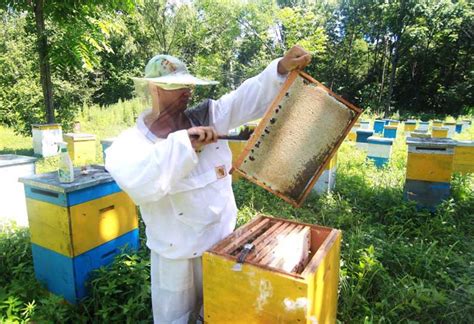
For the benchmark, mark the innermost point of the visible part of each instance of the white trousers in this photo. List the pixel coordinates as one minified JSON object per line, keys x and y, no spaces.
{"x":176,"y":289}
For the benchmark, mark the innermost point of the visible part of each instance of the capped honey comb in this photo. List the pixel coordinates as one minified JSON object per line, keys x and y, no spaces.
{"x":298,"y":134}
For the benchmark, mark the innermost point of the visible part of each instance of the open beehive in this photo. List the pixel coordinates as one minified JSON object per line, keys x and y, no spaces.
{"x":299,"y":133}
{"x":290,"y":276}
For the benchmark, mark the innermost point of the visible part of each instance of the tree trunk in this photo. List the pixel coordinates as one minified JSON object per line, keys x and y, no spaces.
{"x":382,"y":81}
{"x":45,"y":70}
{"x":391,"y":82}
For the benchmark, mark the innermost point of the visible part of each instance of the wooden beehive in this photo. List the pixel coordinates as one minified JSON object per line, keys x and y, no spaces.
{"x":81,"y":148}
{"x":77,"y":227}
{"x":300,"y":131}
{"x":291,"y":276}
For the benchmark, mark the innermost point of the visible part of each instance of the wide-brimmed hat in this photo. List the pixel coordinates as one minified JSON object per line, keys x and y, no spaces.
{"x":169,"y":70}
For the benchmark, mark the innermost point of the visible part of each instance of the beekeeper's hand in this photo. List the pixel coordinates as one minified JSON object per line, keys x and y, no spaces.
{"x":201,"y":136}
{"x":296,"y":58}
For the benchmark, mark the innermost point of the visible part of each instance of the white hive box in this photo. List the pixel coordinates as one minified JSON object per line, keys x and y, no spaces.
{"x":13,"y":203}
{"x":45,"y":139}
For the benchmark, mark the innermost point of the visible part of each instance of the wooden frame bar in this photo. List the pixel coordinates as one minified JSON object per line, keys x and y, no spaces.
{"x":320,"y":238}
{"x":264,"y":123}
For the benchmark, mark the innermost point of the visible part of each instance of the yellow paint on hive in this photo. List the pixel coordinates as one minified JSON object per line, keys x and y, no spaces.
{"x":75,"y":230}
{"x":463,"y":159}
{"x":430,"y":167}
{"x":324,"y":284}
{"x":409,"y":127}
{"x":101,"y":220}
{"x":259,"y":295}
{"x":437,"y":123}
{"x":439,"y":133}
{"x":393,"y":123}
{"x":49,"y":226}
{"x":262,"y":296}
{"x":46,"y":127}
{"x":352,"y":136}
{"x":236,"y":147}
{"x":82,"y":152}
{"x":332,"y":163}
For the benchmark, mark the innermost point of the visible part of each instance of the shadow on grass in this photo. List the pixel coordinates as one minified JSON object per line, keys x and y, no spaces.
{"x":21,"y":151}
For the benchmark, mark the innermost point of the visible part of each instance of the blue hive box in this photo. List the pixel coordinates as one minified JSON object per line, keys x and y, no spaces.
{"x":378,"y":126}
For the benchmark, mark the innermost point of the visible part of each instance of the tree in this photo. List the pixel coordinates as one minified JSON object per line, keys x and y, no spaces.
{"x":82,"y":27}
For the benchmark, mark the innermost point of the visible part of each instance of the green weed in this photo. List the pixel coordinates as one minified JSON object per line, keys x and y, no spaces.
{"x":398,"y":264}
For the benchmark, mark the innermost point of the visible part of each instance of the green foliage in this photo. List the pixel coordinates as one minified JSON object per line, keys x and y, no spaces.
{"x":122,"y":291}
{"x":20,"y":90}
{"x":387,"y":57}
{"x":398,"y":264}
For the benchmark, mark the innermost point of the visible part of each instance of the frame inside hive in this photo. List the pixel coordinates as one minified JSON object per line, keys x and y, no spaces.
{"x":268,"y":233}
{"x":299,"y":133}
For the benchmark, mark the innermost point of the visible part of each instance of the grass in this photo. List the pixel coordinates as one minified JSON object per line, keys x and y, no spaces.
{"x":398,"y":264}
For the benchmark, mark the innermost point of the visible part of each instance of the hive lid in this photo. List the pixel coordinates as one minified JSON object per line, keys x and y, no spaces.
{"x":300,"y":131}
{"x":366,"y":131}
{"x":13,"y":159}
{"x":420,"y":134}
{"x":440,"y":128}
{"x":76,"y":137}
{"x":431,"y":142}
{"x":41,"y":126}
{"x":96,"y":174}
{"x":465,"y":143}
{"x":391,"y":127}
{"x":380,"y":140}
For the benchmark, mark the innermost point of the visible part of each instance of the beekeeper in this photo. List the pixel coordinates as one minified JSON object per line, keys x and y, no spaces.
{"x":174,"y":168}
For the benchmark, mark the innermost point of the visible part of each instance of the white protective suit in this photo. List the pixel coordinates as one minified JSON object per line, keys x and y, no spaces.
{"x":186,"y":198}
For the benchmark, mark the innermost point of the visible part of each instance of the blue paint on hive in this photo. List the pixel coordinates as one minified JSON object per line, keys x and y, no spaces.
{"x":363,"y":135}
{"x":390,"y":133}
{"x":67,"y":276}
{"x":378,"y":126}
{"x":379,"y":162}
{"x":425,"y":193}
{"x":71,"y":198}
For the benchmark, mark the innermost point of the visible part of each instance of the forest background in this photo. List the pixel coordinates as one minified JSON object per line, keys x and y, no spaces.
{"x":403,"y":57}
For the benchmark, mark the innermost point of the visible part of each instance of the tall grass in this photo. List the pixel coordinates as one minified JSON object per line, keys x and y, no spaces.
{"x":398,"y":264}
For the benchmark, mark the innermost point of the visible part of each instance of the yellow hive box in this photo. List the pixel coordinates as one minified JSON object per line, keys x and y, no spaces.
{"x":464,"y":157}
{"x":430,"y":159}
{"x":351,"y":136}
{"x":332,"y":163}
{"x":263,"y":294}
{"x":236,"y":147}
{"x":81,"y":148}
{"x":74,"y":218}
{"x":439,"y":132}
{"x":409,"y":127}
{"x":437,"y":123}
